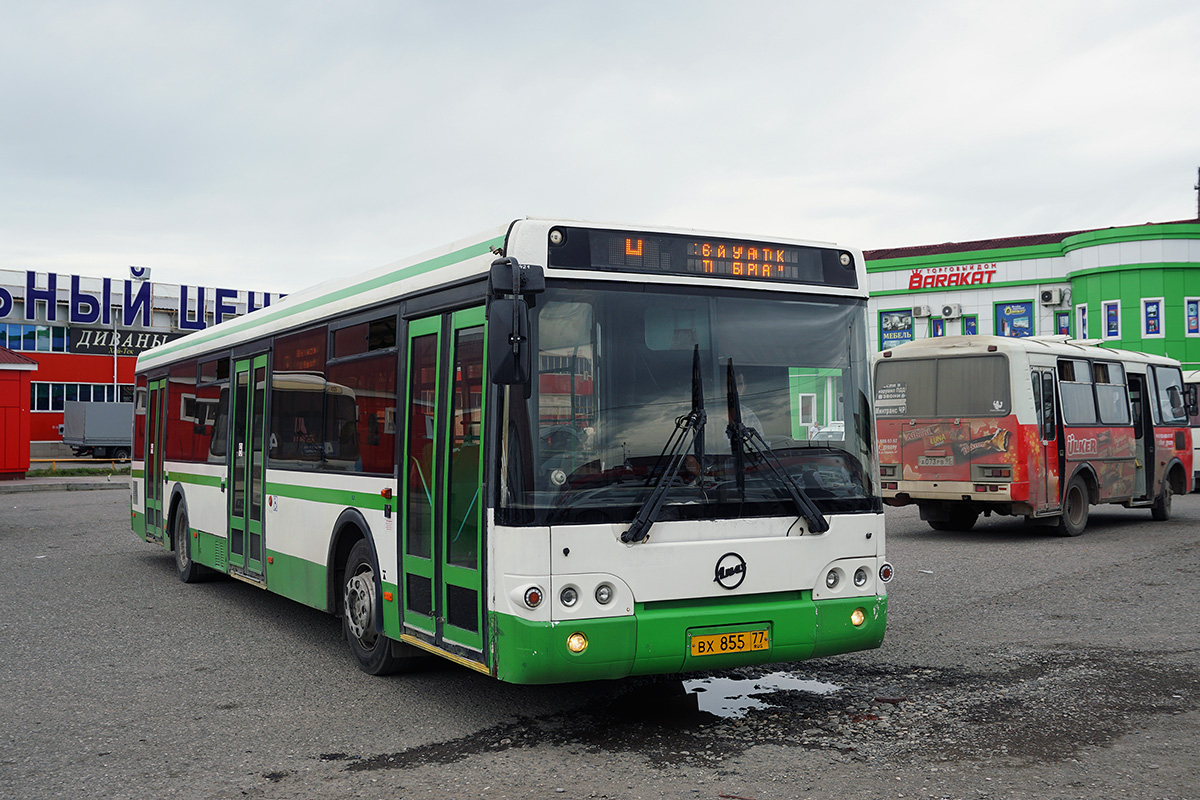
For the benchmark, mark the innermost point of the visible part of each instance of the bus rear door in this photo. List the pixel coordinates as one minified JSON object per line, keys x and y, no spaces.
{"x":1044,"y":464}
{"x":154,"y":478}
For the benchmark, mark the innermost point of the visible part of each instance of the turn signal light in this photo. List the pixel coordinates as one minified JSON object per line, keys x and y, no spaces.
{"x":533,"y":597}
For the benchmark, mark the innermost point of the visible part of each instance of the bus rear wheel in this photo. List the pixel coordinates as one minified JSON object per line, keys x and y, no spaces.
{"x":1075,"y":509}
{"x":187,"y":569}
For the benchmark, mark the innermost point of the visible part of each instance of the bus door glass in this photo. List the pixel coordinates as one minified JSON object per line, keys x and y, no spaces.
{"x":1141,"y":393}
{"x":246,"y":466}
{"x":442,"y":475}
{"x":1045,"y":462}
{"x":155,"y":436}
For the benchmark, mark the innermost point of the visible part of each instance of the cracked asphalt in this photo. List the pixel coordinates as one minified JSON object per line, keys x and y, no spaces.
{"x":1017,"y":664}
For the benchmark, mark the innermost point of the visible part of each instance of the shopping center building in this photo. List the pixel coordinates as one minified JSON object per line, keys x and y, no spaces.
{"x":85,"y":334}
{"x":1135,"y":287}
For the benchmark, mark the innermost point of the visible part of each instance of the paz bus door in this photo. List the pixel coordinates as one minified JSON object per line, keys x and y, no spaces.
{"x":1046,"y":461}
{"x":156,"y":401}
{"x":441,"y":484}
{"x":247,"y":467}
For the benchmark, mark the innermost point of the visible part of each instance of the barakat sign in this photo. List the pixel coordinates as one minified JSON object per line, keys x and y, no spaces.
{"x":963,"y":275}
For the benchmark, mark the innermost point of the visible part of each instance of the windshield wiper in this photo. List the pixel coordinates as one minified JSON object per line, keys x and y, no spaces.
{"x":690,"y":424}
{"x":743,"y":436}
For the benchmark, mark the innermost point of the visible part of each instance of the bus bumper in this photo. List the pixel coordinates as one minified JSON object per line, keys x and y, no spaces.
{"x":655,"y":640}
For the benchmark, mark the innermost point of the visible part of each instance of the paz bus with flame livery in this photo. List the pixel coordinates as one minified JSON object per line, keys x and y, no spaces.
{"x":1042,"y":427}
{"x":555,"y":452}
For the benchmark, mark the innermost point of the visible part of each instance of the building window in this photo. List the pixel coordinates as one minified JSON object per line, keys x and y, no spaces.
{"x":46,"y":396}
{"x":970,"y":325}
{"x":1062,"y":323}
{"x":1152,"y":318}
{"x":937,"y":327}
{"x":1014,"y":319}
{"x":1191,"y":316}
{"x":1110,"y":312}
{"x":34,"y":338}
{"x":1081,"y":321}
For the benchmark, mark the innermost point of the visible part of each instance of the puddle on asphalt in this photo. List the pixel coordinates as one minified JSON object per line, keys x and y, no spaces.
{"x":732,"y":698}
{"x":697,"y":700}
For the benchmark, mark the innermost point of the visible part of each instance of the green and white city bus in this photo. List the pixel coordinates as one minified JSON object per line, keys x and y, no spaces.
{"x":553,"y":452}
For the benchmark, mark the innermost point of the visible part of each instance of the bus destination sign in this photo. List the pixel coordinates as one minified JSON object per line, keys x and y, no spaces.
{"x":683,"y":255}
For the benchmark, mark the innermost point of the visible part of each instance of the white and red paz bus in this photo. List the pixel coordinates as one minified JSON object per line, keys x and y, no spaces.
{"x":1041,"y":427}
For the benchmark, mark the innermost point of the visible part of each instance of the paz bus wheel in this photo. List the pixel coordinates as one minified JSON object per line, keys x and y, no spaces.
{"x":371,"y":650}
{"x":181,"y":537}
{"x":1161,"y":510}
{"x":1075,"y":509}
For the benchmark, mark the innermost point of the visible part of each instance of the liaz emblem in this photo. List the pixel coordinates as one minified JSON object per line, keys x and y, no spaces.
{"x":731,"y":571}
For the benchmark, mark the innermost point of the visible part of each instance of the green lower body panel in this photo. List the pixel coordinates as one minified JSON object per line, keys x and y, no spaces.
{"x":657,"y":639}
{"x":138,"y":523}
{"x":211,"y":551}
{"x":297,"y":578}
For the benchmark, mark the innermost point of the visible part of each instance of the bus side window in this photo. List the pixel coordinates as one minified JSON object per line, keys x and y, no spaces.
{"x":1036,"y":377}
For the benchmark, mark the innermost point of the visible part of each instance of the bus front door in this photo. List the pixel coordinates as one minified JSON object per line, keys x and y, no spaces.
{"x":1140,"y":394}
{"x":246,"y":468}
{"x":154,"y":478}
{"x":442,"y":517}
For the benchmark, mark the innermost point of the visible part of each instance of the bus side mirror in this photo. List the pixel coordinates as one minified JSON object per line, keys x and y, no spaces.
{"x":1189,"y":393}
{"x":508,"y":341}
{"x":509,"y":288}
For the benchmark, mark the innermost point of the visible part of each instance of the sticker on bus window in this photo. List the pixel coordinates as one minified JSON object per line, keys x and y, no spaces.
{"x":891,"y":399}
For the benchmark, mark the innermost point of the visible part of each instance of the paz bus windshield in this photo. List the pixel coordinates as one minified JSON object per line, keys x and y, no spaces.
{"x":617,"y":369}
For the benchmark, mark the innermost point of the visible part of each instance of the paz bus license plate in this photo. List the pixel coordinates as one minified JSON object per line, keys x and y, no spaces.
{"x":739,"y":642}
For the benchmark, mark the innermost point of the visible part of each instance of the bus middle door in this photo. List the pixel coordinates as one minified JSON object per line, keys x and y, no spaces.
{"x":247,"y":467}
{"x":442,"y":485}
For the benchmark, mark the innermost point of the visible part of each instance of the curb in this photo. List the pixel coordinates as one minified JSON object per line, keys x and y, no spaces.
{"x":21,"y":487}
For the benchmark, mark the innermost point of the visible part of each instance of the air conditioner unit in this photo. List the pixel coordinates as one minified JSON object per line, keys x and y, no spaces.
{"x":951,"y":311}
{"x":1051,"y":297}
{"x":920,"y":311}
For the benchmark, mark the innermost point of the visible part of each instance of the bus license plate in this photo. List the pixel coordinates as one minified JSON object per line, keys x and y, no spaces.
{"x":740,"y":642}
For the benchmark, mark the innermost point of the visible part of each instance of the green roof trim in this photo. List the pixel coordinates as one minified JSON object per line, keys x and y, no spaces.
{"x":1136,"y":233}
{"x":966,"y":257}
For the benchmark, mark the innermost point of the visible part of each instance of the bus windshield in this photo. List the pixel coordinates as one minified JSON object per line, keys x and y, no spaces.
{"x":614,"y":376}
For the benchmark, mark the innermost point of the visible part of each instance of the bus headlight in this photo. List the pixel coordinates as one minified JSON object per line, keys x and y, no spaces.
{"x":832,"y":579}
{"x":860,"y":577}
{"x":568,"y":596}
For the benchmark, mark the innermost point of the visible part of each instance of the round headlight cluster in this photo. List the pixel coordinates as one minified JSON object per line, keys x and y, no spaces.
{"x":604,"y":594}
{"x":832,"y":579}
{"x":860,"y":577}
{"x":569,"y":596}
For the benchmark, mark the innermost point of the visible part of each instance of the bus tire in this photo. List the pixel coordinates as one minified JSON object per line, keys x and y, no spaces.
{"x":185,"y":567}
{"x":372,"y":651}
{"x":1074,"y":515}
{"x":1161,"y":510}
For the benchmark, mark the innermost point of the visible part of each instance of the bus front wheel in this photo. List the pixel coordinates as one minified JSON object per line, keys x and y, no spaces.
{"x":375,"y":653}
{"x":1075,"y":509}
{"x":1161,"y":510}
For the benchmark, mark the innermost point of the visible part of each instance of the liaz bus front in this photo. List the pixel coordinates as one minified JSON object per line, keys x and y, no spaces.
{"x":683,"y":472}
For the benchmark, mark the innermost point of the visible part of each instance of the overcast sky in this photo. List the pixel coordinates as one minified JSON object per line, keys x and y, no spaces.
{"x":270,"y":145}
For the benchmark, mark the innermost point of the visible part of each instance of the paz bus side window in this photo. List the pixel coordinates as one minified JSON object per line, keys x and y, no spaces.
{"x":1046,"y":412}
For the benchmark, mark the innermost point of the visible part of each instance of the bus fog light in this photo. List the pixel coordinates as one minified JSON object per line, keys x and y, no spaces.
{"x":577,"y":642}
{"x":569,"y":596}
{"x":858,"y":617}
{"x":832,"y":579}
{"x":533,"y":597}
{"x":885,"y":573}
{"x":860,"y":577}
{"x":604,"y":594}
